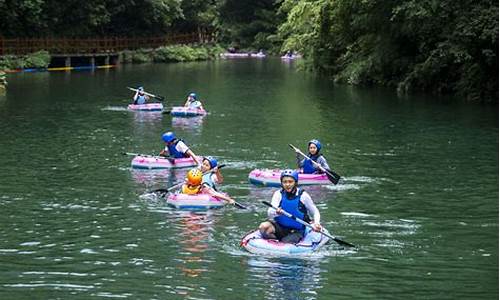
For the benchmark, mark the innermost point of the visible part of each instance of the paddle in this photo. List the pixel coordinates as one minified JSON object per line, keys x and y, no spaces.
{"x":332,"y":176}
{"x":161,"y":98}
{"x":287,"y":214}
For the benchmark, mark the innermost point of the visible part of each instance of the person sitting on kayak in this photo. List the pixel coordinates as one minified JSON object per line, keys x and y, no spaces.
{"x":192,"y":101}
{"x":308,"y":167}
{"x":140,"y":97}
{"x":214,"y":177}
{"x":295,"y":201}
{"x":176,"y":148}
{"x":194,"y":185}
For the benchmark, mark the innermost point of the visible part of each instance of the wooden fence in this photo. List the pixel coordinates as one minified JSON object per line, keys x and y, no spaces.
{"x":70,"y":46}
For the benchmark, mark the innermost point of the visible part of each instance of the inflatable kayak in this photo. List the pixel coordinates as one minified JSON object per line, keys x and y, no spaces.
{"x":158,"y":162}
{"x":199,"y":201}
{"x":146,"y":107}
{"x":272,"y":178}
{"x":181,"y":111}
{"x":311,"y":242}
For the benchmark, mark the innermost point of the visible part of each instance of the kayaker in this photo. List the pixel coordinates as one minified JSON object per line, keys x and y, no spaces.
{"x":140,"y":97}
{"x":314,"y":146}
{"x":194,"y":185}
{"x":192,"y":101}
{"x":176,"y":148}
{"x":297,"y":202}
{"x":214,"y":177}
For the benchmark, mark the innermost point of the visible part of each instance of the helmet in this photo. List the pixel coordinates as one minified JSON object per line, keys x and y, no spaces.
{"x":212,"y":161}
{"x":194,"y":177}
{"x":193,"y":95}
{"x":315,"y":142}
{"x":168,"y":137}
{"x":290,"y":173}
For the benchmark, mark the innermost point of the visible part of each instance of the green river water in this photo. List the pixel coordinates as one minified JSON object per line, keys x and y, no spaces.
{"x":419,"y":194}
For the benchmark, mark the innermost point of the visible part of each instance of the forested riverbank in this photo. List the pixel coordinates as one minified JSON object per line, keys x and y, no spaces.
{"x":444,"y":46}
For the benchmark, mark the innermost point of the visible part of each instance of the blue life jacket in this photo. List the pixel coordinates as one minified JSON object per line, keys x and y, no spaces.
{"x":295,"y":208}
{"x":207,"y":179}
{"x":140,"y":99}
{"x":308,"y":167}
{"x":173,"y":151}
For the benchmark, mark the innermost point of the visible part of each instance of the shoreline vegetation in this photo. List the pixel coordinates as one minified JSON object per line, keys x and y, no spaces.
{"x":438,"y":47}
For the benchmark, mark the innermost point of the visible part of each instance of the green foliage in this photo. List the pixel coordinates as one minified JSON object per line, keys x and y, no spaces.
{"x":441,"y":46}
{"x":40,"y":59}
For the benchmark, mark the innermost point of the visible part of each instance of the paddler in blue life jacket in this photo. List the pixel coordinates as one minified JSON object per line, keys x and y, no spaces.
{"x":140,"y":97}
{"x":194,"y":185}
{"x":176,"y":148}
{"x":314,"y":146}
{"x":192,"y":101}
{"x":295,"y":201}
{"x":214,"y":177}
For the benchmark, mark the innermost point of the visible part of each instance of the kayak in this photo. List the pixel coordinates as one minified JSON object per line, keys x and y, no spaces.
{"x":198,"y":201}
{"x":182,"y":111}
{"x":234,"y":55}
{"x":260,"y":55}
{"x":272,"y":178}
{"x":293,"y":57}
{"x":146,"y":107}
{"x":311,"y":242}
{"x":158,"y":162}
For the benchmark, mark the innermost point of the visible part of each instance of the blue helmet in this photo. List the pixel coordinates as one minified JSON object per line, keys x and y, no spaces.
{"x":212,"y":161}
{"x":168,"y":137}
{"x":194,"y":96}
{"x":315,"y":142}
{"x":290,"y":173}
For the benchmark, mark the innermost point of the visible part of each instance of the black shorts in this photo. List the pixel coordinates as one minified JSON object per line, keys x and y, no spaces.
{"x":286,"y":235}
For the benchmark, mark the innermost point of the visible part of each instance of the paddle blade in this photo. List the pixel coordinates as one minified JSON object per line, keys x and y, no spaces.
{"x":239,"y":205}
{"x":267,"y":203}
{"x":332,"y":176}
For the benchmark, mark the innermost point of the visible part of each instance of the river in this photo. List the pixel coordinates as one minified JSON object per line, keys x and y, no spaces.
{"x":419,"y":194}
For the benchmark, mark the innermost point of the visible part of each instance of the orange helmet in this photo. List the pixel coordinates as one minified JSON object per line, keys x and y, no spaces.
{"x":194,"y":177}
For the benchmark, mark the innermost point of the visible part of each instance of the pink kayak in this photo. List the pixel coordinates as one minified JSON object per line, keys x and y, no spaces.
{"x":312,"y":241}
{"x":146,"y":107}
{"x":159,"y":162}
{"x":272,"y":178}
{"x":182,"y":111}
{"x":198,"y":201}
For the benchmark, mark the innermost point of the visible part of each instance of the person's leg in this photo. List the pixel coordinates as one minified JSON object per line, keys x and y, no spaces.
{"x":267,"y":230}
{"x":293,"y":237}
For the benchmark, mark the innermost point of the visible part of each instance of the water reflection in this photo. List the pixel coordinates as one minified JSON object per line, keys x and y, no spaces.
{"x":193,"y":232}
{"x":147,"y":117}
{"x":163,"y":177}
{"x":191,"y":123}
{"x":285,"y":278}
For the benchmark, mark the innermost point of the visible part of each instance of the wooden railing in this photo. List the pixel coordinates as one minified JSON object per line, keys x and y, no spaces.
{"x":70,"y":46}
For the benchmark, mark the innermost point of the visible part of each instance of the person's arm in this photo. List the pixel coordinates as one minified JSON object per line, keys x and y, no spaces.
{"x":208,"y":190}
{"x":217,"y":175}
{"x":275,"y":201}
{"x":300,"y":161}
{"x":193,"y":156}
{"x":311,"y":207}
{"x":136,"y":95}
{"x":323,"y":163}
{"x":165,"y":152}
{"x":186,"y":104}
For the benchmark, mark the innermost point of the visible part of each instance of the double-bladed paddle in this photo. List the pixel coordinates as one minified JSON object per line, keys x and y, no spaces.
{"x":161,"y":98}
{"x":287,"y":214}
{"x":332,"y":176}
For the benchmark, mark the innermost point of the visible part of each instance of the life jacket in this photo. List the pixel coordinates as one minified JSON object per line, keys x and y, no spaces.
{"x":207,"y":179}
{"x":308,"y":167}
{"x":295,"y":207}
{"x":141,"y":99}
{"x":190,"y":189}
{"x":174,"y":152}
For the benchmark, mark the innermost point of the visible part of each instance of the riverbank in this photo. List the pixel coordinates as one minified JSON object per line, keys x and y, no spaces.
{"x":40,"y":61}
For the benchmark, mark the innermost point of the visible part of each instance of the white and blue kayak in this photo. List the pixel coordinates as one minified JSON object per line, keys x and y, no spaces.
{"x":312,"y":241}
